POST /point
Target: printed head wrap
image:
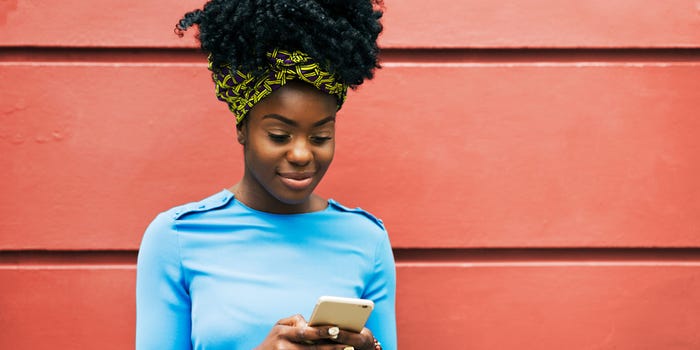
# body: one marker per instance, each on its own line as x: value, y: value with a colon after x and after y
x: 242, y: 90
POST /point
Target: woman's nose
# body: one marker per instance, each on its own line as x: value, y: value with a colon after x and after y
x: 300, y: 153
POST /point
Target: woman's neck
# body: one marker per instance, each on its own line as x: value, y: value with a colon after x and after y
x: 261, y: 200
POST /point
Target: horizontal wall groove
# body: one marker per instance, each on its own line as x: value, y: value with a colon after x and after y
x: 527, y: 55
x: 67, y: 258
x: 424, y: 55
x: 101, y: 55
x: 404, y: 256
x: 549, y: 255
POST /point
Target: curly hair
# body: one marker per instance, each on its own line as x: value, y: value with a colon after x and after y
x: 342, y: 34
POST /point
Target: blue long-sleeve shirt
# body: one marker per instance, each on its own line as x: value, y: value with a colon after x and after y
x: 216, y: 274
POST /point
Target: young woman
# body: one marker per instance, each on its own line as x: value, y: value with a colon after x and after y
x: 243, y: 268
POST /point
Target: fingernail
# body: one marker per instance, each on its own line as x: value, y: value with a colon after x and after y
x: 349, y: 348
x: 333, y: 331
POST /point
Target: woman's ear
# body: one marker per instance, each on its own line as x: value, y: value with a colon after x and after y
x: 241, y: 131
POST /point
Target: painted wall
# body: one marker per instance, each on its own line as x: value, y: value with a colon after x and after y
x: 536, y: 163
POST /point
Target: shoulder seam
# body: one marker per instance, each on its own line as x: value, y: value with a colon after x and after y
x: 212, y: 202
x: 360, y: 211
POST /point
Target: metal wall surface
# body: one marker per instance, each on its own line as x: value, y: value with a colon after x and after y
x: 536, y: 164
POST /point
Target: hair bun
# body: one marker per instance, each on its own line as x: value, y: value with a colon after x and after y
x: 341, y: 34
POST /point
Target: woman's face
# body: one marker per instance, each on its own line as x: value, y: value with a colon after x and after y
x: 289, y: 142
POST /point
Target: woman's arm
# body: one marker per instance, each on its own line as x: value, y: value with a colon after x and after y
x: 382, y: 290
x: 162, y: 300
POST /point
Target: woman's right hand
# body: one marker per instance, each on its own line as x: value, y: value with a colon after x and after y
x: 294, y: 333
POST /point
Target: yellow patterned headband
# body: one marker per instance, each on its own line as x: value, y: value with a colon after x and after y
x: 241, y: 91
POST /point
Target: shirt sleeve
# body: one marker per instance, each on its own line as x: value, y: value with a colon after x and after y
x: 162, y: 299
x: 382, y: 290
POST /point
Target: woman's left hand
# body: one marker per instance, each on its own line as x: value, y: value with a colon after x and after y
x: 360, y: 341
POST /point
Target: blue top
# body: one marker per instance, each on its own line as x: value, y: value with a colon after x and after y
x: 217, y: 274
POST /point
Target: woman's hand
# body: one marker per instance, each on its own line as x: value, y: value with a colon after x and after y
x: 358, y: 341
x: 294, y: 333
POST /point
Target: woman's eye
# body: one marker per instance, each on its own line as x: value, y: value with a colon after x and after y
x: 278, y: 138
x: 320, y: 139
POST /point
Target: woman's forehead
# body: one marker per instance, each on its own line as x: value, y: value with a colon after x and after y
x: 297, y: 103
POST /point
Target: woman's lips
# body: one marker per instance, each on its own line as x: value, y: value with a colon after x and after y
x: 296, y: 181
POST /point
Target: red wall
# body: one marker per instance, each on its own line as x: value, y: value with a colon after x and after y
x: 536, y: 163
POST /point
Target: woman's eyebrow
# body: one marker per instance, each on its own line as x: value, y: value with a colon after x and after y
x: 294, y: 123
x: 281, y: 118
x: 324, y: 121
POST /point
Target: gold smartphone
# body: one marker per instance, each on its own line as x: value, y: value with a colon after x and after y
x: 349, y: 314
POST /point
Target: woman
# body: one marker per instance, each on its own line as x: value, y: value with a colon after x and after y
x: 243, y: 268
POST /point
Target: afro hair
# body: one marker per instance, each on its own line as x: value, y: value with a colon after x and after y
x: 341, y: 34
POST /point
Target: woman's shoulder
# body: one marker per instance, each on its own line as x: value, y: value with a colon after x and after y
x: 357, y: 214
x: 168, y: 219
x: 212, y: 202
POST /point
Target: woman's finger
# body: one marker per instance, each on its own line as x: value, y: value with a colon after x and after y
x: 334, y: 347
x: 310, y: 334
x: 362, y: 340
x: 295, y: 329
x: 293, y: 321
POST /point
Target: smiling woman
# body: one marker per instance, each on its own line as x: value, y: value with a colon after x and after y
x: 242, y: 269
x: 288, y: 145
